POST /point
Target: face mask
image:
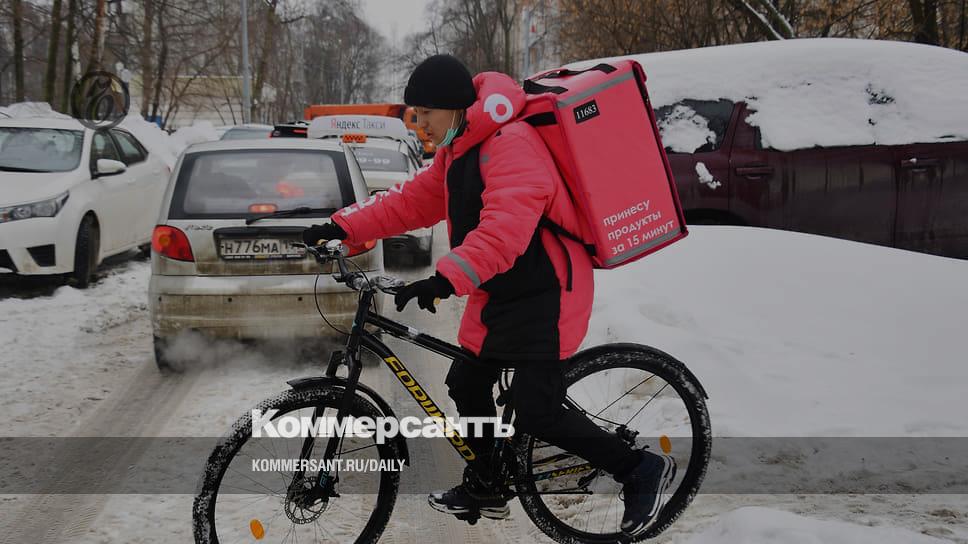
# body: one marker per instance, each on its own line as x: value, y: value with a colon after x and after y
x: 450, y: 134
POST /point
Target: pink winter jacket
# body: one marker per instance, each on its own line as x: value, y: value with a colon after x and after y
x: 530, y: 290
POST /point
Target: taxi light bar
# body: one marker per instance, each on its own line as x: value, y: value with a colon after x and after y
x: 354, y: 138
x: 171, y: 243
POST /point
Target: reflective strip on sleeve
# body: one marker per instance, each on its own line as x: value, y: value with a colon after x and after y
x: 468, y: 271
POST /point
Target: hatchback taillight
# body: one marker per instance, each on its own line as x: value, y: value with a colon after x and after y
x: 171, y: 243
x: 355, y: 250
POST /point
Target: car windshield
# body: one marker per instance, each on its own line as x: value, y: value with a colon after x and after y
x: 245, y: 183
x: 246, y: 133
x: 374, y: 159
x: 40, y: 149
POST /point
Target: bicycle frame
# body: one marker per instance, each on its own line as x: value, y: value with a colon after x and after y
x: 359, y: 338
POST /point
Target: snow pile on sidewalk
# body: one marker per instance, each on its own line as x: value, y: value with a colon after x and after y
x: 53, y: 352
x: 755, y: 525
x: 800, y: 335
x: 824, y: 91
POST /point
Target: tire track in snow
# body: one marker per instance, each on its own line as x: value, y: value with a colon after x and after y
x: 141, y: 408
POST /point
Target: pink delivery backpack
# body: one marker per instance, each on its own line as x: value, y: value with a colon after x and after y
x: 601, y: 130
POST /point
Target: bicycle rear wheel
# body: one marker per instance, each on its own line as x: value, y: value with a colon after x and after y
x: 650, y: 400
x: 243, y: 496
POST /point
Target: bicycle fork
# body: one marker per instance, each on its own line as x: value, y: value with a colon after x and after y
x: 325, y: 486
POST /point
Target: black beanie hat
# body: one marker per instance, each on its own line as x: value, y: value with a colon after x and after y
x: 440, y: 82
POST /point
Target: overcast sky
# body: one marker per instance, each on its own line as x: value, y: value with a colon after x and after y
x: 400, y: 16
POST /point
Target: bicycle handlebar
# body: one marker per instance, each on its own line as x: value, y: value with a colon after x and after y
x: 334, y: 250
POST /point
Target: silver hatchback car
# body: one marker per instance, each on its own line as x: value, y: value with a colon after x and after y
x: 224, y: 259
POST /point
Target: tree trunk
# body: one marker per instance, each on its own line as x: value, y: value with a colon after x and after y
x: 924, y: 17
x: 162, y: 60
x: 268, y: 38
x: 18, y: 49
x: 146, y: 54
x: 97, y: 42
x: 50, y: 79
x: 69, y: 55
x: 961, y: 27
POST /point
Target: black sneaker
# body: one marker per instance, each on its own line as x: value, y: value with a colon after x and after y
x: 470, y: 497
x: 643, y: 489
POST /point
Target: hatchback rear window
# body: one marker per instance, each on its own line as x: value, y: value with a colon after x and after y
x: 374, y: 159
x: 243, y: 183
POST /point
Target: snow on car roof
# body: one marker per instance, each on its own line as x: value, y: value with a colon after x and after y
x: 42, y: 122
x: 371, y: 125
x: 823, y: 91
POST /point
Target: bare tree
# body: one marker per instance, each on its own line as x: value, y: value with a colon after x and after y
x: 924, y: 15
x: 18, y: 49
x: 70, y: 37
x: 50, y: 79
x: 147, y: 53
x: 97, y: 43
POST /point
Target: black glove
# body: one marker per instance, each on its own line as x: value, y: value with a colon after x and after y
x: 425, y: 291
x: 326, y: 231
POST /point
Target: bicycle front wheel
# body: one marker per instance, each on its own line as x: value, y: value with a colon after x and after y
x: 250, y: 488
x: 648, y: 399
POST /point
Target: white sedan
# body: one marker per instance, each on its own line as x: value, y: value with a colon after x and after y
x: 71, y: 196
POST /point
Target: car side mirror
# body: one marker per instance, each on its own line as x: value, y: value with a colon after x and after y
x: 109, y: 167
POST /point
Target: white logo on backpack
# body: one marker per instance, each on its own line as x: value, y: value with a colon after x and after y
x: 499, y: 107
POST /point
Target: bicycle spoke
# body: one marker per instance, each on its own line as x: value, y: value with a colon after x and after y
x: 624, y: 394
x: 647, y: 403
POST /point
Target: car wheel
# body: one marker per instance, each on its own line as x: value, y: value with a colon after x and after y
x: 165, y: 365
x: 86, y: 252
x: 144, y: 251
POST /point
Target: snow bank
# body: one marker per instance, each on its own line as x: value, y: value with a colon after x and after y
x: 52, y: 350
x: 800, y: 335
x: 756, y: 525
x: 201, y: 131
x: 30, y: 109
x: 823, y: 92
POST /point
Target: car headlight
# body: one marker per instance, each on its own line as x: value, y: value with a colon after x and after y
x: 44, y: 208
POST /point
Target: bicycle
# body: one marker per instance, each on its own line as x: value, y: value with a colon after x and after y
x: 567, y: 498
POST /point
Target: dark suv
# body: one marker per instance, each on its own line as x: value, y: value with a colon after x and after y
x: 906, y: 196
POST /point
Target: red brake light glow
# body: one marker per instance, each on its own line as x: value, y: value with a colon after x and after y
x: 262, y: 208
x: 172, y: 243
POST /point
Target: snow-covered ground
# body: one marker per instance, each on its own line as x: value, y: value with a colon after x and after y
x: 792, y: 335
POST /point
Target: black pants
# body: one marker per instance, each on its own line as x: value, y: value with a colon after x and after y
x: 537, y: 392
